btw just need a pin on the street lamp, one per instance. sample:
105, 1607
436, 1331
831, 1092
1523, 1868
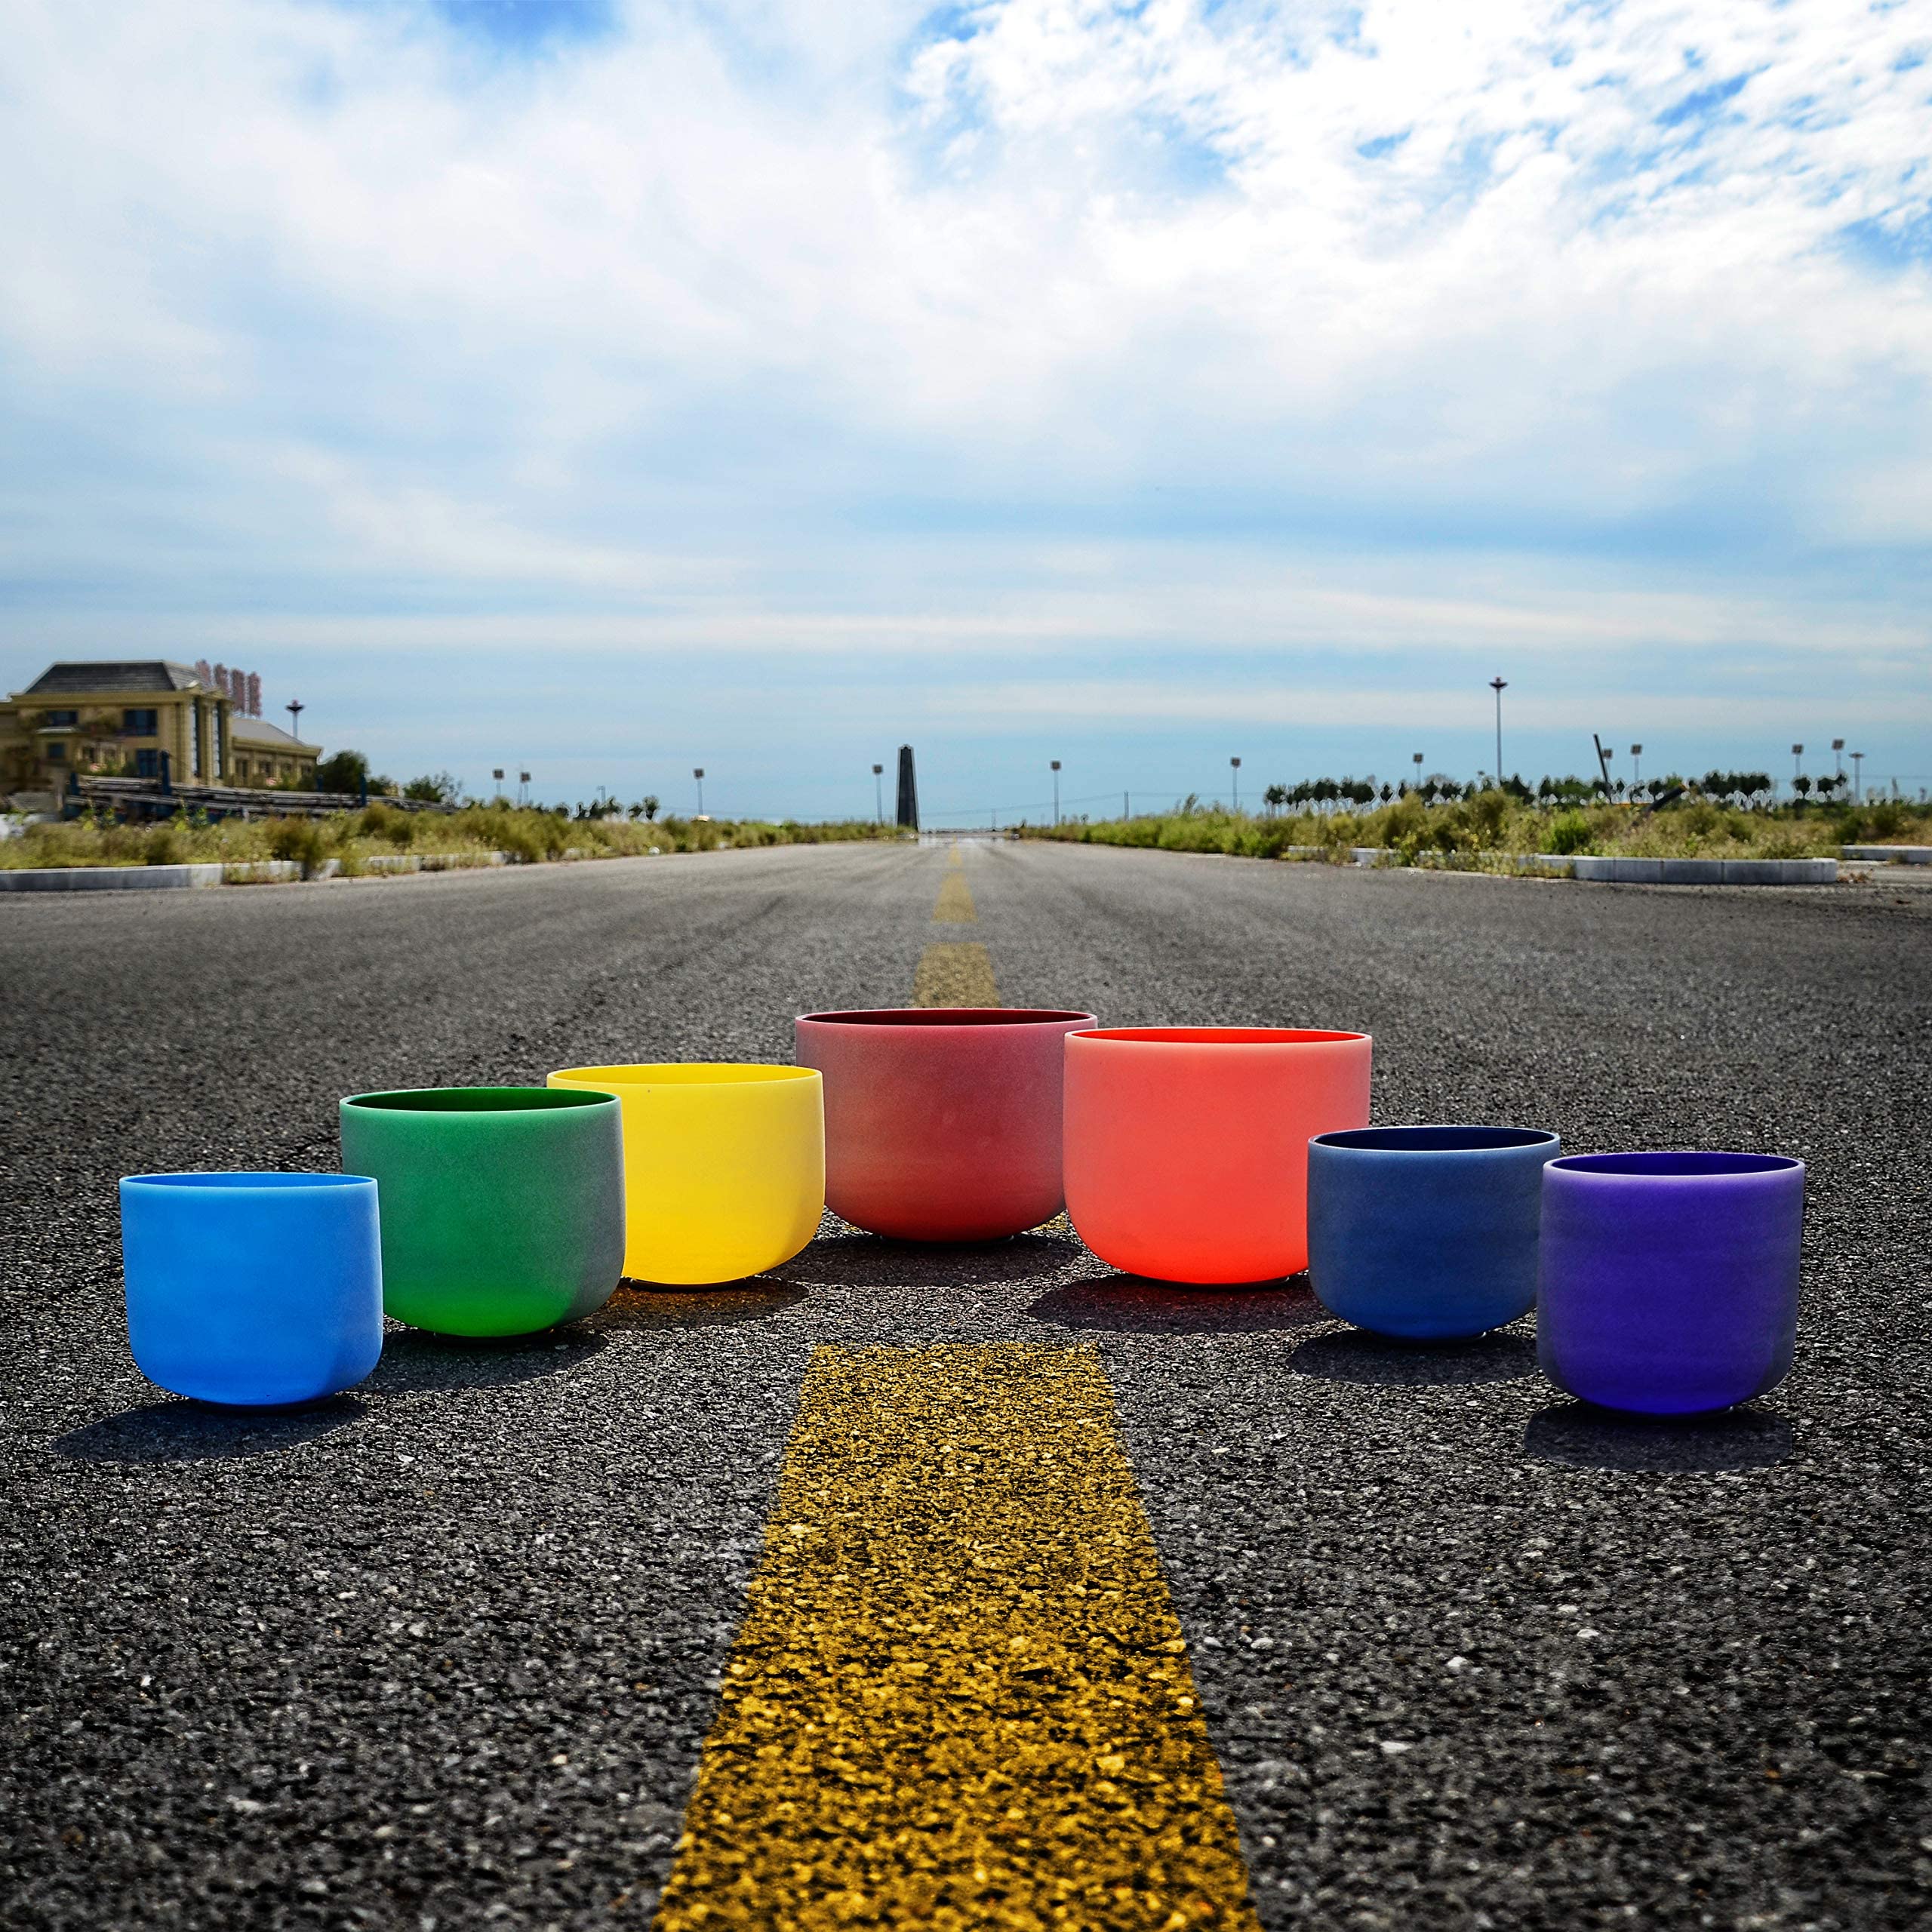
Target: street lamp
295, 708
1857, 778
1636, 769
1498, 686
1837, 757
1797, 753
878, 793
523, 788
1417, 757
1235, 763
1056, 770
498, 774
697, 772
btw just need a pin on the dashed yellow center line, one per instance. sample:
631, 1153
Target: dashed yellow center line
956, 905
960, 1696
954, 972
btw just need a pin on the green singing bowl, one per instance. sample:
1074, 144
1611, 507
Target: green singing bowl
502, 1208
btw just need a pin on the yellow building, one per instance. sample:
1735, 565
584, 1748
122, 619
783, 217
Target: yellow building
143, 719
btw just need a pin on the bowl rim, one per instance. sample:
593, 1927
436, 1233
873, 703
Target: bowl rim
1691, 1164
693, 1073
247, 1181
915, 1018
1221, 1036
1407, 1139
446, 1103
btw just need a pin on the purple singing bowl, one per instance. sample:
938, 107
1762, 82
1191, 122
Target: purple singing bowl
941, 1123
1669, 1282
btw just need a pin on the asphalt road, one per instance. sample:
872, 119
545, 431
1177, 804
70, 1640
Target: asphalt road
443, 1653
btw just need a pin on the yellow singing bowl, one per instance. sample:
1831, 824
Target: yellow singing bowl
723, 1166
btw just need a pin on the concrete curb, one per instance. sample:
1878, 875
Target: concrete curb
1895, 855
1706, 872
254, 871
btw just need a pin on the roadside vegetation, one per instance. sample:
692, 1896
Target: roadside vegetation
464, 836
1725, 815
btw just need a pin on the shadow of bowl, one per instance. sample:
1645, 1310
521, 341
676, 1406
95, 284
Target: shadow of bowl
183, 1431
871, 1261
415, 1362
1133, 1305
639, 1306
1586, 1438
1352, 1355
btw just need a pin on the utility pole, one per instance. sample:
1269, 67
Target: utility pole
1603, 762
1498, 686
1126, 805
1235, 763
1858, 777
697, 772
1055, 765
878, 794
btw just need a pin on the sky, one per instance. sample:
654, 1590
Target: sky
607, 388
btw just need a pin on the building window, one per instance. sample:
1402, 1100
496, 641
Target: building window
57, 754
141, 724
63, 717
147, 763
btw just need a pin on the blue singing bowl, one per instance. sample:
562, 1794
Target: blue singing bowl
1426, 1233
253, 1289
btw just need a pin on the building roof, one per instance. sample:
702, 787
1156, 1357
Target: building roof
264, 736
147, 674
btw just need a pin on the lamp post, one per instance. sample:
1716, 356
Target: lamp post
1838, 757
1498, 686
523, 788
1417, 757
1636, 769
878, 794
1234, 766
498, 774
1858, 778
1056, 770
1797, 753
295, 708
697, 772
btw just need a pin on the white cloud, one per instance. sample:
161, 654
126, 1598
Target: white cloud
771, 326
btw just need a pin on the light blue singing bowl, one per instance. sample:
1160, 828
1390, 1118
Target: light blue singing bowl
253, 1289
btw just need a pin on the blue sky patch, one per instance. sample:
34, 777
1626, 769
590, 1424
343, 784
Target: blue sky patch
1705, 102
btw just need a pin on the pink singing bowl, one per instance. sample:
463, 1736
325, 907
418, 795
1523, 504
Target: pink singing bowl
941, 1123
1187, 1146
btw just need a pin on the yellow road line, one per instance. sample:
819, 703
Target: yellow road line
960, 1697
952, 857
956, 905
955, 972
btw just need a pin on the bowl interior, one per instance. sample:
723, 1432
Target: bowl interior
685, 1073
255, 1180
949, 1016
1218, 1036
1435, 1139
475, 1100
1682, 1167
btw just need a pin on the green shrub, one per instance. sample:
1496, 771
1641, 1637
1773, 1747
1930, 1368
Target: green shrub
1570, 833
301, 839
161, 846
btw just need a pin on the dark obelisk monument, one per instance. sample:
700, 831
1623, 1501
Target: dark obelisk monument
909, 790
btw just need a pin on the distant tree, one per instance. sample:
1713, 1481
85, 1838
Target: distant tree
345, 771
436, 788
1274, 797
1387, 792
1802, 787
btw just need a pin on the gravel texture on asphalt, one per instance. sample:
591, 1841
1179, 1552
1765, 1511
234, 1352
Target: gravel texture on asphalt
443, 1652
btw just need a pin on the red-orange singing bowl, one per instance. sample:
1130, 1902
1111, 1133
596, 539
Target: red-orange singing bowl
1186, 1147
